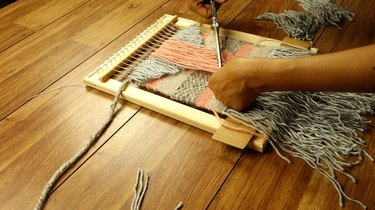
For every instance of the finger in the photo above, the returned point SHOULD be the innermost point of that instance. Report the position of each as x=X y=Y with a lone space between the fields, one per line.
x=202 y=9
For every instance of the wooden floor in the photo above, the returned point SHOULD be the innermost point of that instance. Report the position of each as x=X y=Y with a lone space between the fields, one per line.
x=47 y=44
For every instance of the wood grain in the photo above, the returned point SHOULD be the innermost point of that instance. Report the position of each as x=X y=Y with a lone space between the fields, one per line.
x=40 y=52
x=45 y=133
x=180 y=159
x=27 y=58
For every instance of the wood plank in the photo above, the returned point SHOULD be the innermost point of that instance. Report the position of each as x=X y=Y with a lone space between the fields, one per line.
x=48 y=13
x=263 y=182
x=21 y=19
x=11 y=33
x=50 y=129
x=114 y=23
x=180 y=159
x=30 y=55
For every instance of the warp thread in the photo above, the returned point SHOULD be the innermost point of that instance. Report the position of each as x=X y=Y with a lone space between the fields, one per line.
x=301 y=25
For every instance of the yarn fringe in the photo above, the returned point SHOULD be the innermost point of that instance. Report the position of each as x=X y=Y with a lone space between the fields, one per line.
x=320 y=128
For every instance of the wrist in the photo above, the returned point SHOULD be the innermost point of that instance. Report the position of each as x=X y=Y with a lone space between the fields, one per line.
x=270 y=74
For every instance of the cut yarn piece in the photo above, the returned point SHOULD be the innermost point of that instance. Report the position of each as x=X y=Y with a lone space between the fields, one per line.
x=295 y=24
x=301 y=25
x=326 y=12
x=140 y=187
x=139 y=190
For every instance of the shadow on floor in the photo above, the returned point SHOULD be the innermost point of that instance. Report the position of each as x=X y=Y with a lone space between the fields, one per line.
x=4 y=3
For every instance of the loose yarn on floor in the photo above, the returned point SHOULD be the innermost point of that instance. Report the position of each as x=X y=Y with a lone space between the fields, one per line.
x=140 y=188
x=302 y=25
x=71 y=162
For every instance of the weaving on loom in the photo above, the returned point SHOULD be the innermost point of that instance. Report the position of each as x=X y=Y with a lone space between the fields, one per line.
x=174 y=58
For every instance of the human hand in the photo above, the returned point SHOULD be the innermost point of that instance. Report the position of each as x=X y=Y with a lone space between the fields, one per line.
x=203 y=8
x=240 y=81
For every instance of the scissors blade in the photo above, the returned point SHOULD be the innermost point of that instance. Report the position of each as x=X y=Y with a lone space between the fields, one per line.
x=215 y=24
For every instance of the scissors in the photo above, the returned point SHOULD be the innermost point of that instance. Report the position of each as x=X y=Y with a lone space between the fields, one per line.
x=215 y=25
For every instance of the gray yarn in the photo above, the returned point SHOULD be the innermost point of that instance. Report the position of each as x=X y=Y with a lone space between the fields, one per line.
x=231 y=45
x=282 y=52
x=319 y=128
x=326 y=12
x=155 y=68
x=139 y=189
x=301 y=25
x=191 y=35
x=71 y=162
x=296 y=24
x=190 y=89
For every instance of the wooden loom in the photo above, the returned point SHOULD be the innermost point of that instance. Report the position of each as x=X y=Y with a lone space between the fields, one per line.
x=103 y=78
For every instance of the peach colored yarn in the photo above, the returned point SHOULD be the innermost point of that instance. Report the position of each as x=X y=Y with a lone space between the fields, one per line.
x=204 y=98
x=187 y=56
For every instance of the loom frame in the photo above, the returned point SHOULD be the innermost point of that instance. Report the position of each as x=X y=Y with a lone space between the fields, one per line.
x=100 y=79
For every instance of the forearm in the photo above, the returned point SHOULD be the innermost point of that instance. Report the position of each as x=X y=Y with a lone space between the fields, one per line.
x=351 y=71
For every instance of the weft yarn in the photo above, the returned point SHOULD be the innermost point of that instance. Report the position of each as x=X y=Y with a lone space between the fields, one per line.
x=186 y=55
